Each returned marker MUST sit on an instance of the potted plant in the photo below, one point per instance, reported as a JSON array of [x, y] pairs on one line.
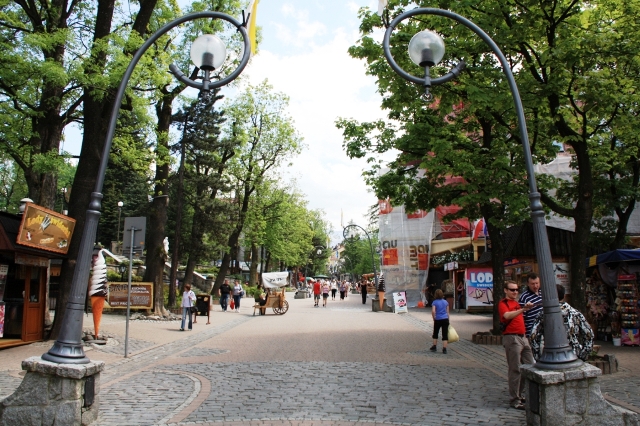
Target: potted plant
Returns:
[[616, 337]]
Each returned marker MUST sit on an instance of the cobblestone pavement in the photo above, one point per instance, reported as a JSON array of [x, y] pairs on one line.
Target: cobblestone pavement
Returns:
[[340, 365]]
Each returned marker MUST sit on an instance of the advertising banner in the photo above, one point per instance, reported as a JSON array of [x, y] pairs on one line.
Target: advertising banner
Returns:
[[406, 244], [141, 295], [479, 286], [400, 302], [274, 279], [45, 229], [561, 272]]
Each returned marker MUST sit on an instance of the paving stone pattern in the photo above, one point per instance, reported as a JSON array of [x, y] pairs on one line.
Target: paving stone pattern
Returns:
[[144, 399], [362, 392], [140, 360], [171, 382], [134, 345], [8, 384], [491, 357], [197, 351], [623, 387]]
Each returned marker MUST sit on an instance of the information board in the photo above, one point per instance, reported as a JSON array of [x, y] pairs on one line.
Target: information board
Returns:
[[141, 295]]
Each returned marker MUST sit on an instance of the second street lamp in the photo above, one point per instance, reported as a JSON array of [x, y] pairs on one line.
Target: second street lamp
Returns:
[[208, 53], [426, 51]]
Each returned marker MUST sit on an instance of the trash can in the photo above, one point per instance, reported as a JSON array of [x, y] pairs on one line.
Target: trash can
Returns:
[[203, 304]]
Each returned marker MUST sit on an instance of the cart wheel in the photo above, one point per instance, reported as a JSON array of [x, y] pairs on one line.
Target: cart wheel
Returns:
[[283, 310]]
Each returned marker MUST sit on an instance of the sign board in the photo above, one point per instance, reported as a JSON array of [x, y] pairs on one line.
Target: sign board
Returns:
[[141, 295], [45, 229], [140, 225], [479, 286], [28, 260], [561, 273], [400, 302]]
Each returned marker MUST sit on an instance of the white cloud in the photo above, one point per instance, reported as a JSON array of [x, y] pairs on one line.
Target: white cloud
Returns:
[[325, 83], [299, 30]]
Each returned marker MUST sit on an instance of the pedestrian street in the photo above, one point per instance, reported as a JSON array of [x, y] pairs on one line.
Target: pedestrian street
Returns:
[[339, 365]]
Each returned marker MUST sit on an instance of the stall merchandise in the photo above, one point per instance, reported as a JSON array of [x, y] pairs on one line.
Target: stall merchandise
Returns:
[[598, 305], [627, 300]]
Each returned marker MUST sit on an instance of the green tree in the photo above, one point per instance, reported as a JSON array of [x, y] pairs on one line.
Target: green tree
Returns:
[[268, 140], [570, 84], [208, 153], [39, 87], [359, 259], [13, 188], [166, 95]]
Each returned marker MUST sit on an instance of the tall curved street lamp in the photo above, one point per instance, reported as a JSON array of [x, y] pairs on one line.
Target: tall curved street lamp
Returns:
[[350, 232], [426, 49], [207, 53]]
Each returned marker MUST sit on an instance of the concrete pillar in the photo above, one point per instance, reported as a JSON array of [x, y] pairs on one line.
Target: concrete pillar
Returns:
[[570, 397], [54, 394]]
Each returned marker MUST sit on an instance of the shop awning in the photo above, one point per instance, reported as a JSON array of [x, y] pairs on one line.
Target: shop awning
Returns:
[[614, 256]]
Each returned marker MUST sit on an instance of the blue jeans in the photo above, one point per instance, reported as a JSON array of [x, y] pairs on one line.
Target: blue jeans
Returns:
[[185, 312], [236, 300], [224, 301]]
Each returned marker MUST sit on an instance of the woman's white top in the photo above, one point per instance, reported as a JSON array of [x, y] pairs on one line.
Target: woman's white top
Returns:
[[188, 299]]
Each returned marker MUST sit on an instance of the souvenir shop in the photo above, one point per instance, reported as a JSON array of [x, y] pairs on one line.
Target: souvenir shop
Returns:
[[612, 296], [29, 244]]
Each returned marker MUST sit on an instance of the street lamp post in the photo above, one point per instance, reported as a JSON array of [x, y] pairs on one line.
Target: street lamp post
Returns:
[[120, 204], [426, 49], [349, 232], [207, 53]]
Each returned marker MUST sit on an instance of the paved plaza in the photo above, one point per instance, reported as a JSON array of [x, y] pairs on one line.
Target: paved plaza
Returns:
[[339, 365]]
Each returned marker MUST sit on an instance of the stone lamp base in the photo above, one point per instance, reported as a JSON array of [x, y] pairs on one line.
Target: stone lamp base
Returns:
[[570, 397], [54, 394]]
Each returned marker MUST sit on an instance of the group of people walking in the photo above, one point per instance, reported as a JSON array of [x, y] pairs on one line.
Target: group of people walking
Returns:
[[325, 288], [225, 292]]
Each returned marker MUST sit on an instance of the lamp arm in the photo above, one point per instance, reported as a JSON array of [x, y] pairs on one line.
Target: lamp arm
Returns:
[[182, 78], [455, 71]]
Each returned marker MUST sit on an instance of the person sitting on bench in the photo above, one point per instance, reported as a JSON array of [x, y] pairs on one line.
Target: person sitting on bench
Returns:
[[262, 301]]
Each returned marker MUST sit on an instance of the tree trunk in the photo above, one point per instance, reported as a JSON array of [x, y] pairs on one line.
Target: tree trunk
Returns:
[[255, 259], [158, 215], [188, 273], [497, 264], [156, 257], [97, 112], [222, 273]]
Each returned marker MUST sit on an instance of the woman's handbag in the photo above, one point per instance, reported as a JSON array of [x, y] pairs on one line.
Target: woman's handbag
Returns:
[[453, 335], [232, 304], [194, 310]]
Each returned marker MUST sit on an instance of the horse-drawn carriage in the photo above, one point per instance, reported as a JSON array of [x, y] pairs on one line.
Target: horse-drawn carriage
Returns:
[[274, 284]]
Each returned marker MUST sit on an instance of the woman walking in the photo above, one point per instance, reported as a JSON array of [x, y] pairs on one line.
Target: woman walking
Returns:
[[343, 288], [238, 292], [334, 289], [440, 315], [325, 293], [188, 300]]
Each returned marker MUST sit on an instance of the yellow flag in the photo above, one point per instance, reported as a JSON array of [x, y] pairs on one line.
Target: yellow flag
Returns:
[[251, 29]]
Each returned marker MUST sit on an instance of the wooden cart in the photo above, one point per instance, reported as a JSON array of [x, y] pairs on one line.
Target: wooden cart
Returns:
[[276, 300]]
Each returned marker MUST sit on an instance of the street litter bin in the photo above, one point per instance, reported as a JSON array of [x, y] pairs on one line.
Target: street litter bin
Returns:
[[203, 305]]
